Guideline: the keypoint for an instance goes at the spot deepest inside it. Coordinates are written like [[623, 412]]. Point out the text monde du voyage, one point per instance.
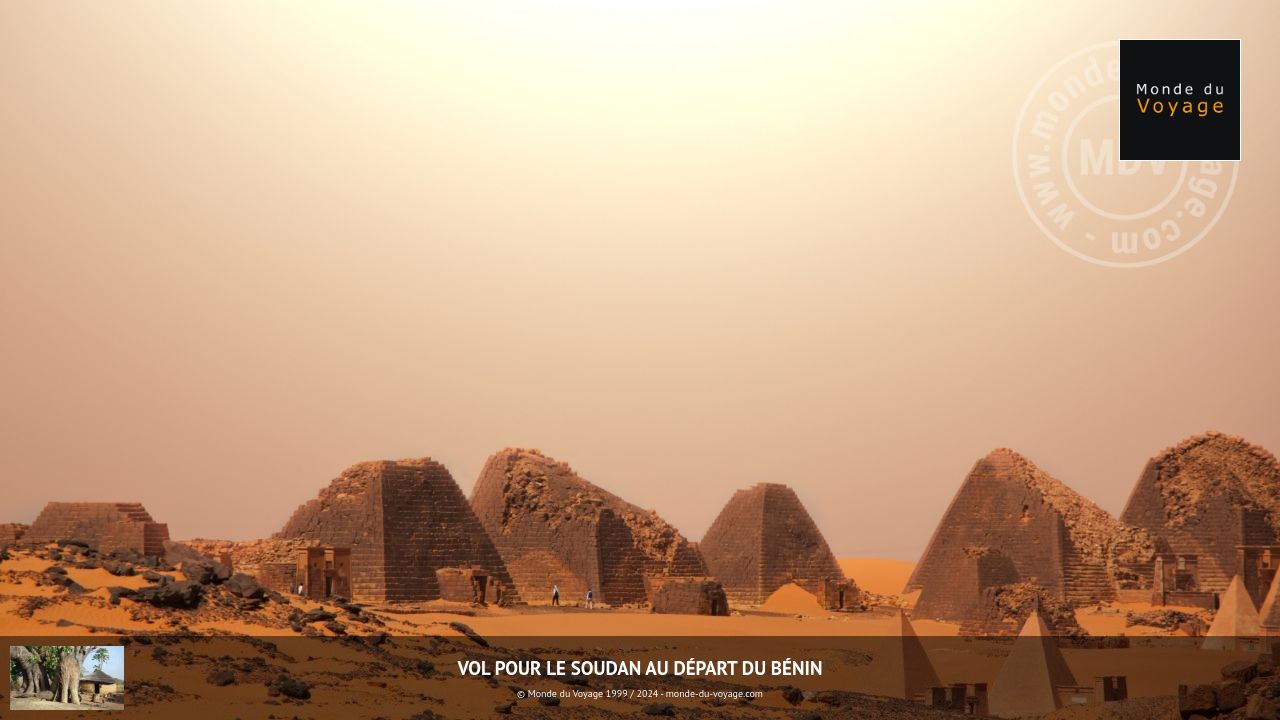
[[1179, 100]]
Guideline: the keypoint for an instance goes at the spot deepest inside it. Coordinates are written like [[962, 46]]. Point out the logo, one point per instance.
[[1083, 196], [1180, 100]]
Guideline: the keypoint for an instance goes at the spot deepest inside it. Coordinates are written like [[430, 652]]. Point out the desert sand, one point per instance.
[[348, 675], [878, 575]]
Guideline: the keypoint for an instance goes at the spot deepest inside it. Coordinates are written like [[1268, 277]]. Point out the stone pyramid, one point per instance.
[[11, 533], [764, 539], [1204, 497], [403, 520], [1269, 613], [552, 527], [106, 526], [1236, 621], [1011, 522], [906, 665], [1027, 683]]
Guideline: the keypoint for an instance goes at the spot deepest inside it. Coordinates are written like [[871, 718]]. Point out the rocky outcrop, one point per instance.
[[552, 527]]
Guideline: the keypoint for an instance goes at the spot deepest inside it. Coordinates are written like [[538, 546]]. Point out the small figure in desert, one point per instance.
[[591, 598], [555, 595]]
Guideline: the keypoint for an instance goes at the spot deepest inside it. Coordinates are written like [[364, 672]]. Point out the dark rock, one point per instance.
[[221, 678], [792, 695], [504, 708], [205, 572], [316, 615], [290, 687], [336, 627], [666, 709], [183, 594], [1229, 695], [119, 569], [1242, 670], [74, 542], [155, 577], [244, 586], [1261, 708], [1198, 699], [471, 634], [548, 700]]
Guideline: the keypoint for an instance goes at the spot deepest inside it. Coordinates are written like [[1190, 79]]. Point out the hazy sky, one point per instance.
[[684, 246]]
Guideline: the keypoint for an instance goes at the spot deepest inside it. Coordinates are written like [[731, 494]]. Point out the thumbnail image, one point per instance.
[[66, 677]]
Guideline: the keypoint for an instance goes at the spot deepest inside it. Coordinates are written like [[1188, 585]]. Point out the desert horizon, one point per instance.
[[104, 495]]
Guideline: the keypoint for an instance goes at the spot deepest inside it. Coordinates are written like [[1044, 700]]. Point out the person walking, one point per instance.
[[591, 599], [555, 595]]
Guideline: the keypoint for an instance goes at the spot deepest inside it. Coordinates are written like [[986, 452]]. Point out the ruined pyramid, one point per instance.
[[552, 527], [1028, 683], [1204, 497], [403, 520], [11, 533], [106, 526], [1010, 522], [764, 539], [1236, 624]]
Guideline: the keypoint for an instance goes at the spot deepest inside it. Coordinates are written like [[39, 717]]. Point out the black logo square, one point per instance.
[[1179, 99]]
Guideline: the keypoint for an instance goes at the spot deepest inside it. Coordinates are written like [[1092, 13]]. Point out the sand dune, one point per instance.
[[878, 575]]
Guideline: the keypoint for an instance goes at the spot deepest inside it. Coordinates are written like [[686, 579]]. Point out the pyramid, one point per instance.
[[1204, 497], [403, 520], [1011, 522], [764, 539], [11, 533], [1236, 620], [106, 526], [552, 527], [1027, 683], [1269, 613], [906, 666]]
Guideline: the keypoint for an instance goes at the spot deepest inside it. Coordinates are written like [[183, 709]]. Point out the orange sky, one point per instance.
[[685, 247]]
